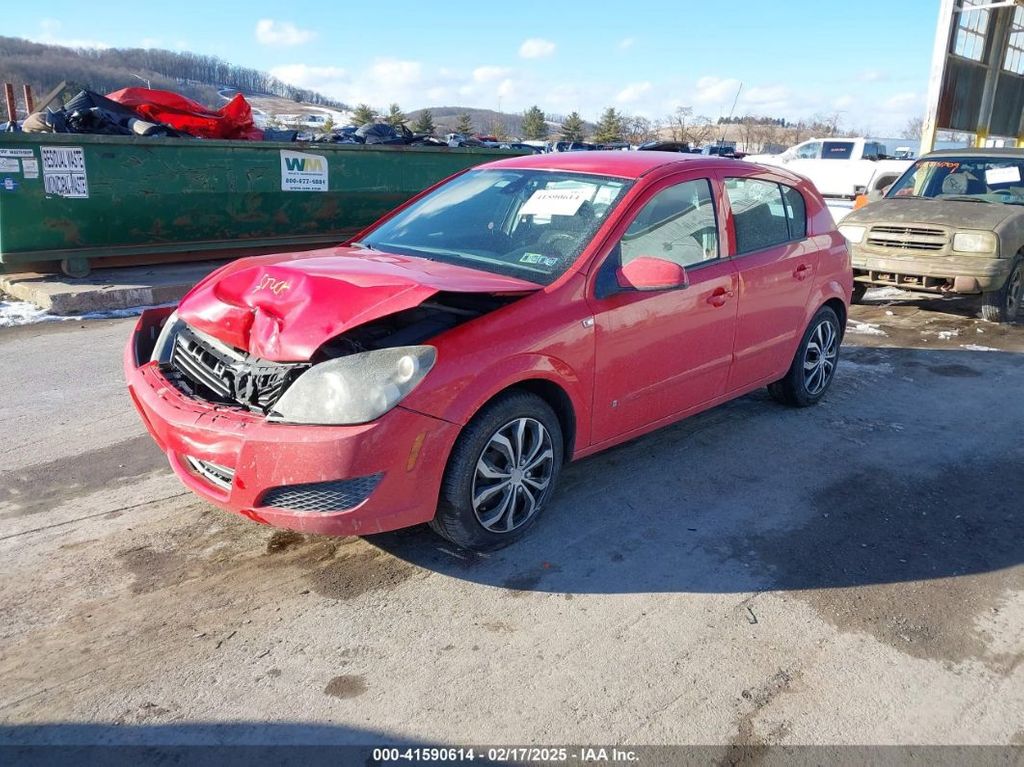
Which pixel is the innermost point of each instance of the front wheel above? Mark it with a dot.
(1003, 305)
(859, 289)
(501, 473)
(814, 364)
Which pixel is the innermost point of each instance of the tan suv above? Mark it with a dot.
(953, 223)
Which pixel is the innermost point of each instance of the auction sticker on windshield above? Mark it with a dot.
(554, 202)
(1007, 175)
(64, 172)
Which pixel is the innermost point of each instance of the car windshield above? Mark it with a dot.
(531, 224)
(992, 179)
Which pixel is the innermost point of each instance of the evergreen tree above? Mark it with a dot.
(573, 128)
(363, 114)
(395, 117)
(610, 127)
(464, 125)
(425, 124)
(534, 125)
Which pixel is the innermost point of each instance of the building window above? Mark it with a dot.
(971, 29)
(1015, 52)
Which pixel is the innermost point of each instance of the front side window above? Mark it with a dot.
(809, 151)
(677, 224)
(765, 213)
(530, 224)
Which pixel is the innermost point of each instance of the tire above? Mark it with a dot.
(1003, 305)
(508, 499)
(802, 385)
(859, 289)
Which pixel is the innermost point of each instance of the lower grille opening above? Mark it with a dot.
(217, 475)
(337, 495)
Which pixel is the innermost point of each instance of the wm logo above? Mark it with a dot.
(304, 164)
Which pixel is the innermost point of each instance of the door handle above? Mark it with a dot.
(720, 296)
(803, 272)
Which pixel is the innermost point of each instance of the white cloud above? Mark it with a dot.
(633, 92)
(626, 43)
(536, 48)
(872, 76)
(50, 34)
(271, 32)
(487, 74)
(716, 90)
(844, 102)
(327, 80)
(902, 102)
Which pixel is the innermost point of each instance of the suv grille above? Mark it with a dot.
(322, 496)
(907, 237)
(216, 372)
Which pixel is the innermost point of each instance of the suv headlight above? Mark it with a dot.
(355, 389)
(853, 234)
(165, 341)
(974, 242)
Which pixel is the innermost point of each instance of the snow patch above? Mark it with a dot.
(976, 348)
(886, 293)
(864, 328)
(14, 313)
(945, 335)
(21, 313)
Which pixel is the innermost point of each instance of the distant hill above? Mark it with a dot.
(484, 120)
(199, 77)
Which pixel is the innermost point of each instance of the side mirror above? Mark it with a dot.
(647, 273)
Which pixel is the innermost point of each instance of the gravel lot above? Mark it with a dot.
(850, 573)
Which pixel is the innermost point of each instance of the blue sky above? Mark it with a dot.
(868, 60)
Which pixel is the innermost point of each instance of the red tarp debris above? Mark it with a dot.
(232, 121)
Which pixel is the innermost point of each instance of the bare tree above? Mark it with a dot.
(913, 127)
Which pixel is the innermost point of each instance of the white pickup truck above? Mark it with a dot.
(839, 167)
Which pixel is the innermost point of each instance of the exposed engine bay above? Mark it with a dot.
(204, 367)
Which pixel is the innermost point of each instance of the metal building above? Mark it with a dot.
(977, 80)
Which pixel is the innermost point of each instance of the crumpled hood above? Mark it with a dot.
(284, 307)
(966, 215)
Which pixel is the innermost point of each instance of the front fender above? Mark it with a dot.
(460, 397)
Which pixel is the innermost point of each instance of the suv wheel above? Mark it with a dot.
(501, 473)
(1003, 305)
(814, 365)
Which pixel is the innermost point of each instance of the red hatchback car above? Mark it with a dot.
(445, 364)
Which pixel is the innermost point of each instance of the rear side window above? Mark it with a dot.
(765, 213)
(796, 212)
(837, 150)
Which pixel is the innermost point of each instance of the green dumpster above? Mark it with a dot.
(82, 200)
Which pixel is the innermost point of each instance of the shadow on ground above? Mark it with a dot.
(217, 745)
(923, 483)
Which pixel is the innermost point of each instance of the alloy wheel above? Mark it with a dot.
(513, 475)
(820, 357)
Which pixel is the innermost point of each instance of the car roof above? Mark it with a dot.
(630, 165)
(992, 151)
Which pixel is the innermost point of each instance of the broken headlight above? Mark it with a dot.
(354, 389)
(165, 341)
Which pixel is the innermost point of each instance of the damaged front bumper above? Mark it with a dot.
(334, 480)
(931, 273)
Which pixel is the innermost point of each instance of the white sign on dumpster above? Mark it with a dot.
(64, 171)
(301, 172)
